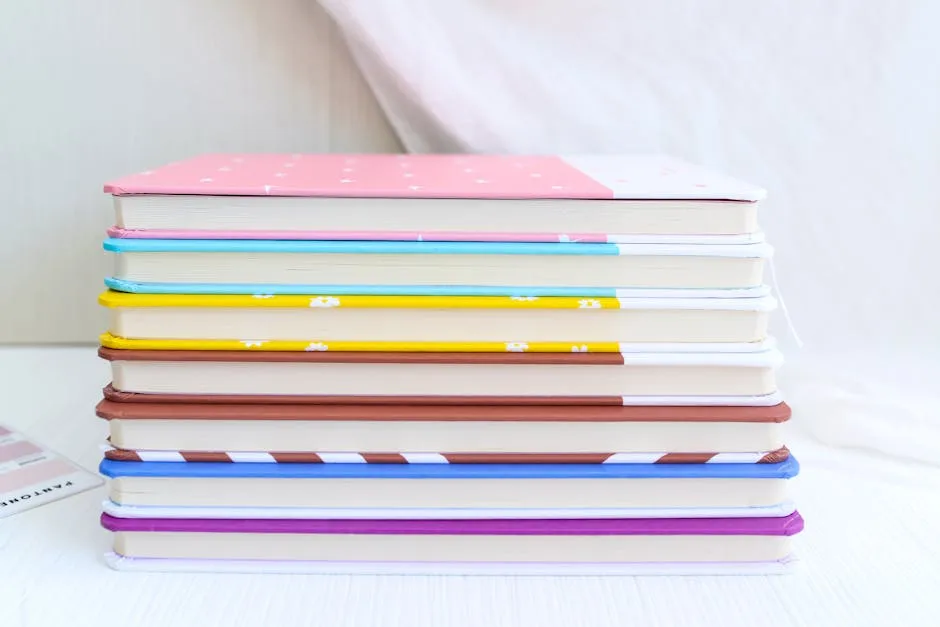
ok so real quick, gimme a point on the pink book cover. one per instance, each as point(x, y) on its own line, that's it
point(459, 176)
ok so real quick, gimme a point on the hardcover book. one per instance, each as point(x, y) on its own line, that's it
point(512, 268)
point(413, 376)
point(327, 322)
point(533, 546)
point(574, 198)
point(436, 434)
point(357, 486)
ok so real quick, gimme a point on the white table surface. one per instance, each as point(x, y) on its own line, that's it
point(870, 554)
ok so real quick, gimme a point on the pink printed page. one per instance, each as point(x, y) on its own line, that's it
point(32, 475)
point(437, 176)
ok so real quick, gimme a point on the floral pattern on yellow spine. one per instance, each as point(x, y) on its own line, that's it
point(111, 341)
point(123, 299)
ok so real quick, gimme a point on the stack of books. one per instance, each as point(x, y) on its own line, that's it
point(442, 363)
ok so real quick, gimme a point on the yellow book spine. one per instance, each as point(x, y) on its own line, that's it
point(123, 299)
point(111, 341)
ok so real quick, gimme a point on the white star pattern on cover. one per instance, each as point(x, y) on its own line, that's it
point(443, 176)
point(589, 303)
point(316, 346)
point(324, 301)
point(516, 347)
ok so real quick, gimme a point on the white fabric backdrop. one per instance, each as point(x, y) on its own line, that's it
point(834, 107)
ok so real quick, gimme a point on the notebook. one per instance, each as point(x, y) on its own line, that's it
point(354, 375)
point(123, 510)
point(325, 322)
point(359, 486)
point(513, 267)
point(605, 546)
point(136, 287)
point(625, 198)
point(124, 563)
point(554, 400)
point(443, 434)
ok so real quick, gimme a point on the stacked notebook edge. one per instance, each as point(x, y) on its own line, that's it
point(522, 364)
